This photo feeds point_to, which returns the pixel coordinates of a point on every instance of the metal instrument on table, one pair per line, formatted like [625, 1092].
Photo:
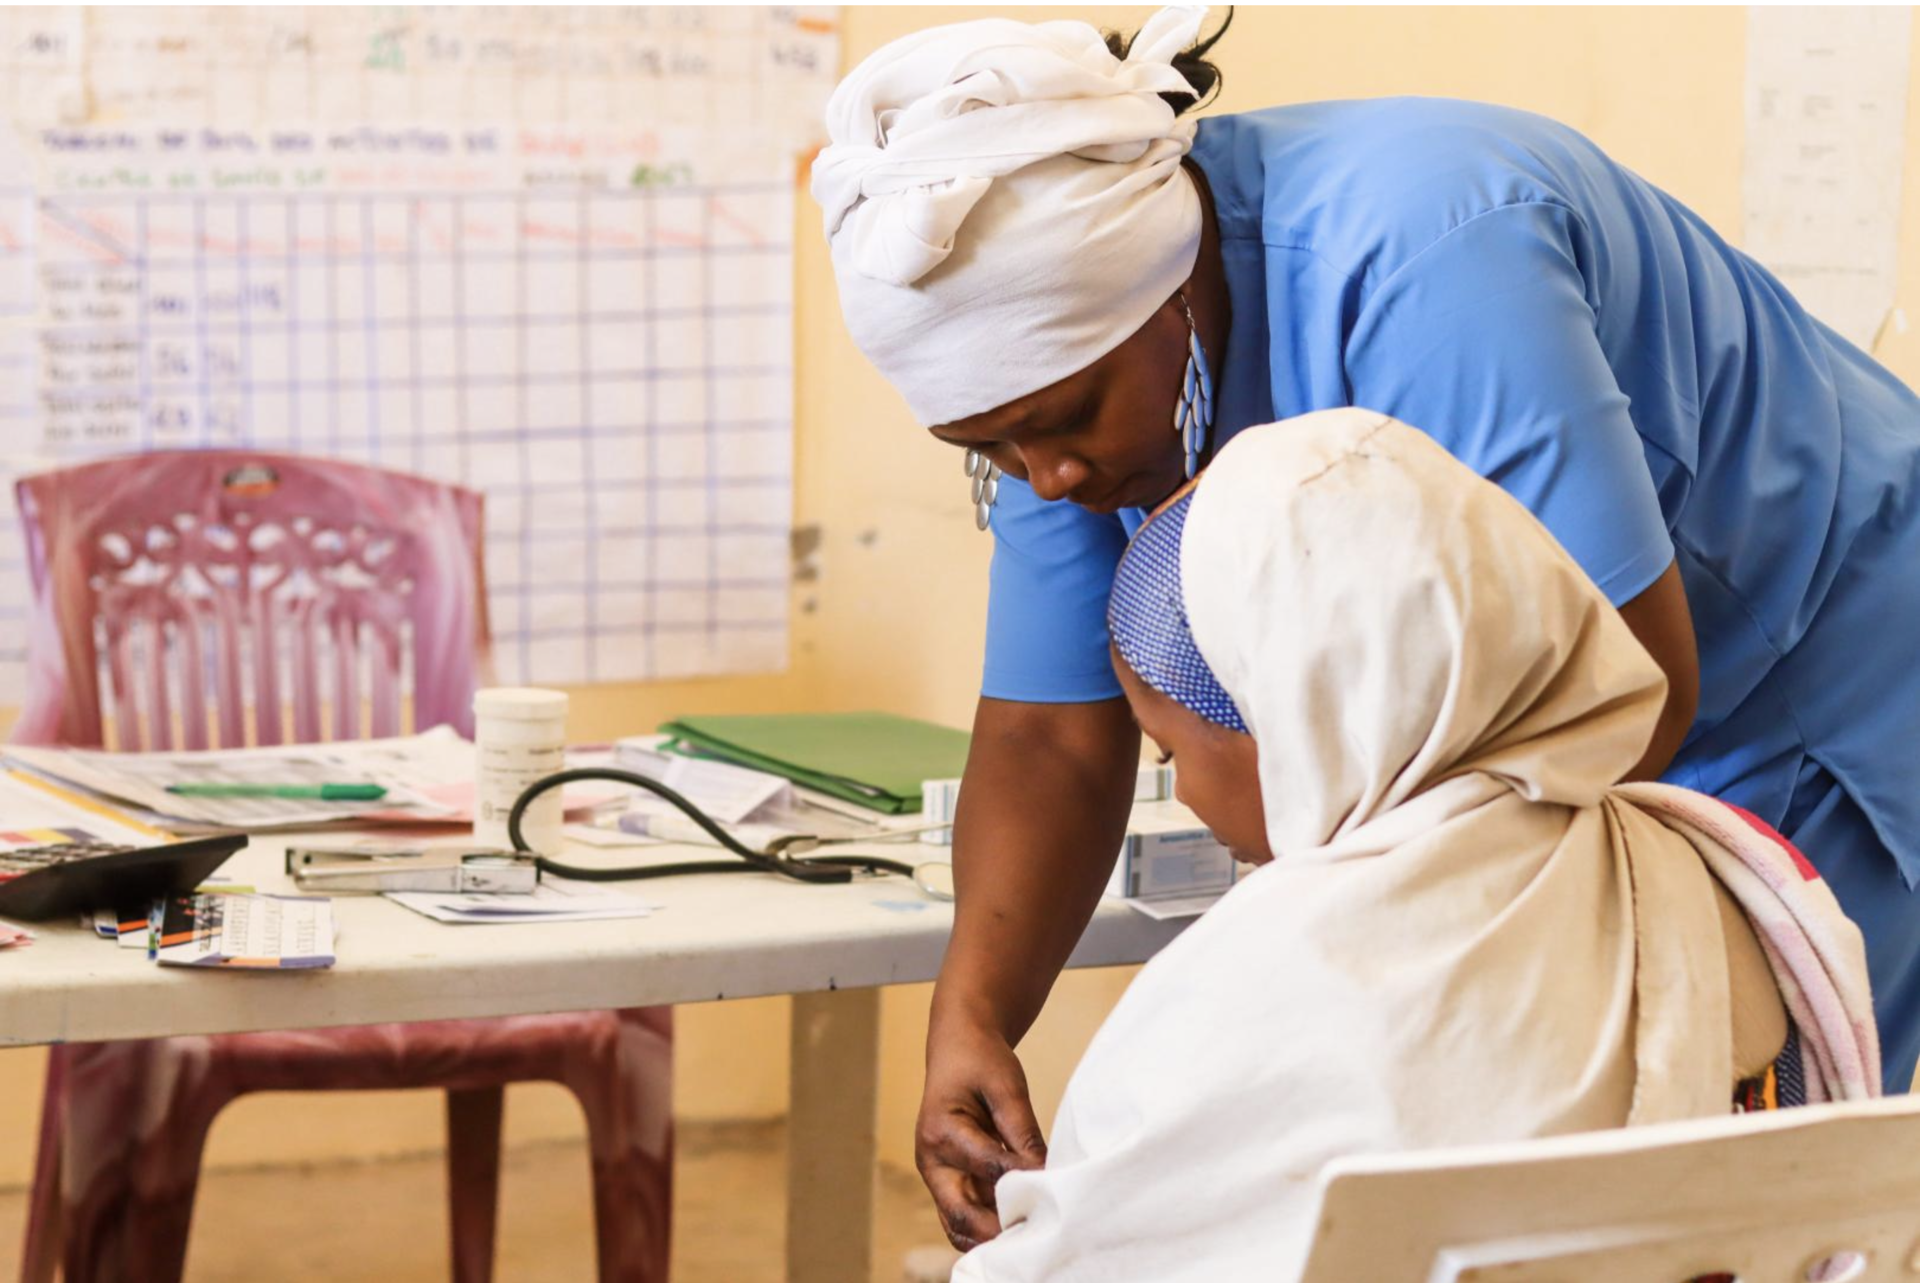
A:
[371, 871]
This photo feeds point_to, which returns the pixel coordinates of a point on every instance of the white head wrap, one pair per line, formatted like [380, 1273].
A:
[1469, 933]
[1004, 203]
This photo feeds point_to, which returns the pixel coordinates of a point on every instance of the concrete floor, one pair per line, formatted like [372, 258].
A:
[387, 1220]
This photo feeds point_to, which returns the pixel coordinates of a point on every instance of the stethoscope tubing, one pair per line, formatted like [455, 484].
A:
[814, 869]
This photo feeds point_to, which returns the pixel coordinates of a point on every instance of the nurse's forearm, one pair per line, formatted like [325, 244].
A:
[1675, 720]
[1042, 812]
[1663, 623]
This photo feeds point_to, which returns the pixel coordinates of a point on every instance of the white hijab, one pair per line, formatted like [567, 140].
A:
[1004, 203]
[1467, 934]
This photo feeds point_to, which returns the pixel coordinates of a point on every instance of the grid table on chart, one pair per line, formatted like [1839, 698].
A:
[611, 367]
[19, 383]
[581, 306]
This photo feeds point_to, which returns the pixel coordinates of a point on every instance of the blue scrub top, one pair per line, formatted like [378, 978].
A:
[1582, 339]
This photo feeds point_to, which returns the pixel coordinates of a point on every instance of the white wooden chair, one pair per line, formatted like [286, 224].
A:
[1819, 1194]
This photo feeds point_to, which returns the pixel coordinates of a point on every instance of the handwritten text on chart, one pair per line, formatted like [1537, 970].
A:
[767, 68]
[609, 360]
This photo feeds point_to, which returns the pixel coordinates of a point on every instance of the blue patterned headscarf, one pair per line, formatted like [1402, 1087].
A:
[1147, 617]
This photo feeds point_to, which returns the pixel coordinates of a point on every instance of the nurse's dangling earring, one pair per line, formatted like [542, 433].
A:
[986, 487]
[1193, 414]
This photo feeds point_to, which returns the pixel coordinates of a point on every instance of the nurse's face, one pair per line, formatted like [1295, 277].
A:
[1216, 771]
[1102, 438]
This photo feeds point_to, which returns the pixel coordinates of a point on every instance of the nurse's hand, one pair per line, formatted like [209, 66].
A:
[976, 1124]
[1042, 810]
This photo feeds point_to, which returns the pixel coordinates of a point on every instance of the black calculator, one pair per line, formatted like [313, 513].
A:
[42, 882]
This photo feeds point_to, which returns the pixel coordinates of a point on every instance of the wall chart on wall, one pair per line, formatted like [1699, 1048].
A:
[559, 270]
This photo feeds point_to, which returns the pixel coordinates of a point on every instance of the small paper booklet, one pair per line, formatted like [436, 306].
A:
[252, 932]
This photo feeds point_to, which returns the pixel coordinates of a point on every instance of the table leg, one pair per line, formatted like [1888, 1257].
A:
[831, 1124]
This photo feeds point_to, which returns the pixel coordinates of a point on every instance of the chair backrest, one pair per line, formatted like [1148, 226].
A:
[221, 590]
[1818, 1194]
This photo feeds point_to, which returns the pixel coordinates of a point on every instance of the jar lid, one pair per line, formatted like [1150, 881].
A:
[520, 703]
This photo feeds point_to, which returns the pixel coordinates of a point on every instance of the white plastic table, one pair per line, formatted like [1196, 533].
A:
[713, 937]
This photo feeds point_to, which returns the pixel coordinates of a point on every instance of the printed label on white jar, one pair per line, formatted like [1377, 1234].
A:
[505, 773]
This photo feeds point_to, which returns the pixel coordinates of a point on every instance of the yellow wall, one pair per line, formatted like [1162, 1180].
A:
[894, 617]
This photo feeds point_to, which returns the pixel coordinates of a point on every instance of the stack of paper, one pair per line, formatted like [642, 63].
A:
[417, 771]
[36, 813]
[755, 806]
[556, 900]
[730, 794]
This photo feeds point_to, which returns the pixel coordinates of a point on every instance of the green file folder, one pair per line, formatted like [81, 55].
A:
[874, 759]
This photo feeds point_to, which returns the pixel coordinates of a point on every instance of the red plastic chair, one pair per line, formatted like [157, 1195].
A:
[212, 593]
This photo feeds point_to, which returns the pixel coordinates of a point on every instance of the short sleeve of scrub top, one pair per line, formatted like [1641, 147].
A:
[1486, 341]
[1053, 566]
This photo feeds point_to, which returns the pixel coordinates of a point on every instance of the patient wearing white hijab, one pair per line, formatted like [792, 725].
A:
[1463, 929]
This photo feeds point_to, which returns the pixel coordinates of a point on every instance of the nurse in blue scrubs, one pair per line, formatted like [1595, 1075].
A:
[1741, 482]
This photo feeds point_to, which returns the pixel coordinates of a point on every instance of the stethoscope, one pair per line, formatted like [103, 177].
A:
[780, 856]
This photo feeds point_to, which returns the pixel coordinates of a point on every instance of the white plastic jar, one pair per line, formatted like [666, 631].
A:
[519, 737]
